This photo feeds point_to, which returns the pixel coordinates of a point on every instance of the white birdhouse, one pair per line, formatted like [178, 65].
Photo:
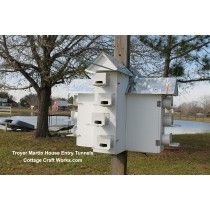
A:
[115, 115]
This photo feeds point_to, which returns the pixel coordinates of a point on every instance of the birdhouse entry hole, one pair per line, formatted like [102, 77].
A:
[104, 102]
[99, 82]
[103, 145]
[98, 122]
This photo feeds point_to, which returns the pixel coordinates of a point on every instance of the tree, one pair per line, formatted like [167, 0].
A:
[46, 61]
[29, 100]
[6, 95]
[194, 108]
[59, 99]
[1, 83]
[70, 100]
[191, 108]
[205, 103]
[176, 54]
[144, 61]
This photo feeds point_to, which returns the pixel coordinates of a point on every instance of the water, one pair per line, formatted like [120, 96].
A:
[54, 120]
[188, 127]
[180, 126]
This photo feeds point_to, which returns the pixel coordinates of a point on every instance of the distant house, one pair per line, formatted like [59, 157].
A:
[4, 102]
[8, 102]
[60, 105]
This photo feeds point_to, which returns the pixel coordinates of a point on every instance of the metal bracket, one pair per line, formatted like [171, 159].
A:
[174, 144]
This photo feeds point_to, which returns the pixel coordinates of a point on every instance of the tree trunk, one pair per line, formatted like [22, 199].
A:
[166, 65]
[167, 56]
[43, 111]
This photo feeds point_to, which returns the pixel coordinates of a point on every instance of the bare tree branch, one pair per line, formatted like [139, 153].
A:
[15, 87]
[193, 80]
[190, 50]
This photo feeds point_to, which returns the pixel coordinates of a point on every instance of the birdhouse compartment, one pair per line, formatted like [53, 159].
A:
[100, 79]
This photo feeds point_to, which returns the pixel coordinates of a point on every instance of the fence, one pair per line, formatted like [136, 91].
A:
[6, 110]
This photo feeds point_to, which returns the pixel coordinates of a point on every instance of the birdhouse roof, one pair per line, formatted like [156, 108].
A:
[162, 86]
[151, 86]
[105, 62]
[62, 103]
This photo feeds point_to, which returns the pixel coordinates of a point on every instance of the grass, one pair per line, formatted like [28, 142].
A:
[21, 112]
[193, 157]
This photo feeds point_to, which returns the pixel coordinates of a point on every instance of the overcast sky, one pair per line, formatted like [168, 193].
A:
[192, 93]
[186, 93]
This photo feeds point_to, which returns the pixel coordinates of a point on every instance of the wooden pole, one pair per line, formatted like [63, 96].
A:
[122, 54]
[122, 49]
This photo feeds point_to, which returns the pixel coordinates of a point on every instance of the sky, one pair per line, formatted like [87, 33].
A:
[61, 91]
[186, 93]
[191, 93]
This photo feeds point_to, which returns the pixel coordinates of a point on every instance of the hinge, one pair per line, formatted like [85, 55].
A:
[158, 103]
[157, 142]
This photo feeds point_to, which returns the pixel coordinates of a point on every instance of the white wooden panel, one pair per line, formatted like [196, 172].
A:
[84, 127]
[110, 129]
[117, 114]
[143, 123]
[100, 79]
[121, 113]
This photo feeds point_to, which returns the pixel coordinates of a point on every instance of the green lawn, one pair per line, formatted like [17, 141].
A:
[193, 157]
